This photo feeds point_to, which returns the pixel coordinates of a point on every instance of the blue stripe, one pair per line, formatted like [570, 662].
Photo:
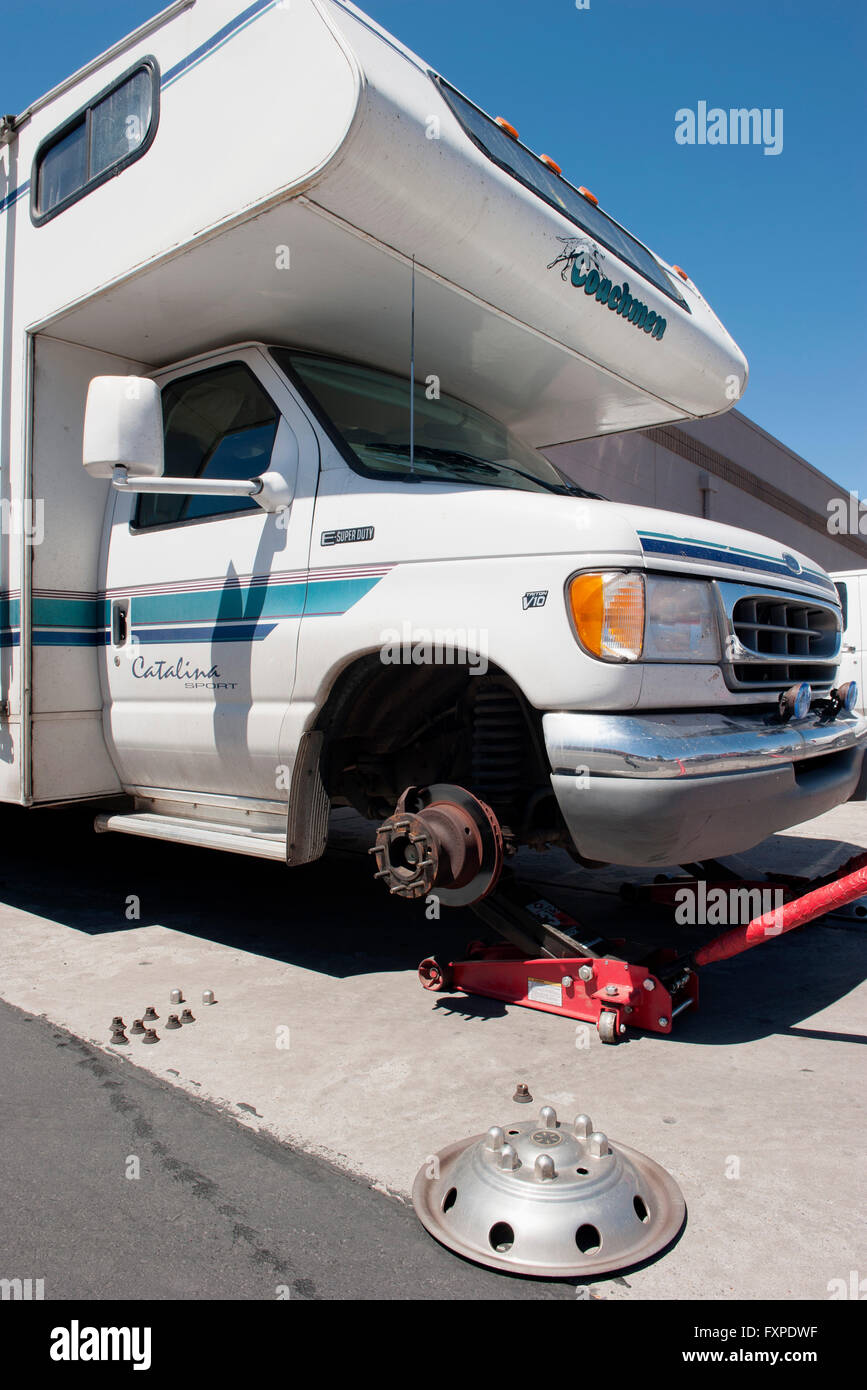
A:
[69, 637]
[220, 37]
[696, 550]
[236, 632]
[86, 637]
[14, 196]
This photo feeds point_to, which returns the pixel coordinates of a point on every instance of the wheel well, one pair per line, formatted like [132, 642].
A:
[388, 727]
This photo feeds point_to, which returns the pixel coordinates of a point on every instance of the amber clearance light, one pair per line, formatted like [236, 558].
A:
[505, 126]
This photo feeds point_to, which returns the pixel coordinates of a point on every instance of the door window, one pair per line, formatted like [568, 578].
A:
[217, 424]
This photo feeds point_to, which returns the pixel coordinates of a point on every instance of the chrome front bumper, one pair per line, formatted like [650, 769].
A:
[650, 789]
[692, 744]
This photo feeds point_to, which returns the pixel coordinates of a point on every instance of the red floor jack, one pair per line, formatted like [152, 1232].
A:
[442, 840]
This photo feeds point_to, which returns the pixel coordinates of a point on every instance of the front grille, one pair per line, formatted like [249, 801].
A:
[778, 639]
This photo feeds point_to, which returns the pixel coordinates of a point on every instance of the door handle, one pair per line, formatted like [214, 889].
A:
[119, 622]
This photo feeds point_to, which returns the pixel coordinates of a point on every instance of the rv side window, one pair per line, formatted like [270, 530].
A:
[843, 595]
[100, 140]
[218, 424]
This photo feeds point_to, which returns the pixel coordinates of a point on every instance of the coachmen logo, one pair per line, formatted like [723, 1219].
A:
[586, 275]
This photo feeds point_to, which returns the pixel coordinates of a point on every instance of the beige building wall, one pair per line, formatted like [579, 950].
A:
[727, 469]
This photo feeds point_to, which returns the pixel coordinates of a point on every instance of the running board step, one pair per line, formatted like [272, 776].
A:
[207, 834]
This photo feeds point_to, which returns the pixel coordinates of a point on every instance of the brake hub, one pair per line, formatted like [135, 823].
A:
[550, 1199]
[441, 839]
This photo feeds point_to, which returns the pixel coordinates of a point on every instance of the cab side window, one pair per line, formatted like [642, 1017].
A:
[217, 424]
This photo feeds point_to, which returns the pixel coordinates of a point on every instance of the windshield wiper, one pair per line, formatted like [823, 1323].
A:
[455, 458]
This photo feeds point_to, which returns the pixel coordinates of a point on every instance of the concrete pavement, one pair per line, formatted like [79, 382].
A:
[322, 1037]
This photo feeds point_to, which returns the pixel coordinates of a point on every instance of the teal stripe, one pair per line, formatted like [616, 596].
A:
[221, 605]
[10, 612]
[337, 595]
[248, 603]
[67, 612]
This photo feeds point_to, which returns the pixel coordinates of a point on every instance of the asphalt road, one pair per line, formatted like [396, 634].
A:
[218, 1211]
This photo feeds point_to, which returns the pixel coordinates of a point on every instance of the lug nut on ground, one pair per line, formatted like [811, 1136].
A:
[150, 1014]
[208, 996]
[137, 1026]
[150, 1036]
[187, 1017]
[522, 1093]
[173, 1021]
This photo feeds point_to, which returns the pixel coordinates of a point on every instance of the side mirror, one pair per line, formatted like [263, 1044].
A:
[278, 483]
[123, 427]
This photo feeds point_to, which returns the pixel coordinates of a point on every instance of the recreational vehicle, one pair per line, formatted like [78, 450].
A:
[288, 325]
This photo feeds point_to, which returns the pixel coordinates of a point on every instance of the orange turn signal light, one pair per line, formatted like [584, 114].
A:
[608, 613]
[509, 129]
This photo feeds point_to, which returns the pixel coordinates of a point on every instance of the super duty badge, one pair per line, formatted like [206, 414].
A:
[352, 533]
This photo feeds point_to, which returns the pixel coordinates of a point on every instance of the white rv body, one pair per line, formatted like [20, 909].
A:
[300, 170]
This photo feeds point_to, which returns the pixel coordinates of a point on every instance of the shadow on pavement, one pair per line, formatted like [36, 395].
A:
[333, 918]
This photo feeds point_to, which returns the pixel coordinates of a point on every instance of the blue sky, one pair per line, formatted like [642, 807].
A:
[775, 242]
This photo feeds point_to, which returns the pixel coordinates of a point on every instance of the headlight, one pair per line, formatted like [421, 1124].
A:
[635, 617]
[681, 623]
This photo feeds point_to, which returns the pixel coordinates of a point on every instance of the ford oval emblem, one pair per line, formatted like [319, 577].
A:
[792, 563]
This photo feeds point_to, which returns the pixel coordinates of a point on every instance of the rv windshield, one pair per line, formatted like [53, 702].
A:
[368, 411]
